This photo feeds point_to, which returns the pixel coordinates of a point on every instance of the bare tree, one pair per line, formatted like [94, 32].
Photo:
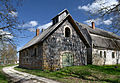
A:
[111, 11]
[9, 20]
[8, 54]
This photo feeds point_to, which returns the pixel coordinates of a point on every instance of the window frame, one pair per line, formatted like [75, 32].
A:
[101, 54]
[105, 54]
[113, 54]
[35, 51]
[67, 26]
[27, 52]
[69, 56]
[67, 32]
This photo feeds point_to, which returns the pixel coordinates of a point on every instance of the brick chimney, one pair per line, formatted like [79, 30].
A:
[93, 25]
[37, 32]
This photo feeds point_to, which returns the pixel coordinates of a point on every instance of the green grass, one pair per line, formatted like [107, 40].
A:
[81, 74]
[3, 77]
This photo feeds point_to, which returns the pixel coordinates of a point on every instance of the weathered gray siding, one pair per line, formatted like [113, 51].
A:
[56, 44]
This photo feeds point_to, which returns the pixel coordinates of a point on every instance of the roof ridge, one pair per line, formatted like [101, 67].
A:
[98, 30]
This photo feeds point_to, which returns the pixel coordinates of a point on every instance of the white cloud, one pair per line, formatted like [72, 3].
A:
[6, 34]
[95, 7]
[33, 23]
[14, 14]
[30, 24]
[99, 21]
[107, 22]
[84, 7]
[45, 26]
[99, 4]
[32, 29]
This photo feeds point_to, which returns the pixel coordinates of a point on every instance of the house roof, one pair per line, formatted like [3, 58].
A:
[49, 30]
[39, 38]
[65, 10]
[99, 42]
[110, 41]
[102, 38]
[99, 31]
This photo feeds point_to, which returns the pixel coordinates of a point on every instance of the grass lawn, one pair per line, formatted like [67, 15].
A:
[3, 78]
[81, 74]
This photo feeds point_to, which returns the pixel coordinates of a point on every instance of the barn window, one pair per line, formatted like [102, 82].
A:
[101, 54]
[24, 54]
[113, 54]
[27, 52]
[35, 52]
[67, 32]
[104, 54]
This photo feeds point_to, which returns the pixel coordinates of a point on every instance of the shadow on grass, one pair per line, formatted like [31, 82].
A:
[86, 73]
[101, 80]
[2, 76]
[82, 72]
[112, 70]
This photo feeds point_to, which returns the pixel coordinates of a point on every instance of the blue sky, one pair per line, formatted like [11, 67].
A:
[43, 11]
[37, 13]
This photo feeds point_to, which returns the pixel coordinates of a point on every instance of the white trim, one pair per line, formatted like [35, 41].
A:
[61, 54]
[67, 26]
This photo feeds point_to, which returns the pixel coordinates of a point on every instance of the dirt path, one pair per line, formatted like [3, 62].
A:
[21, 77]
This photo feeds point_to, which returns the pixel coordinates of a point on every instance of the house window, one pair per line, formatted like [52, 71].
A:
[35, 52]
[23, 54]
[27, 60]
[113, 54]
[67, 32]
[55, 20]
[104, 54]
[62, 16]
[101, 54]
[27, 52]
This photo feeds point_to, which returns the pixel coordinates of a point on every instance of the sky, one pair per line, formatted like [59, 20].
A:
[38, 13]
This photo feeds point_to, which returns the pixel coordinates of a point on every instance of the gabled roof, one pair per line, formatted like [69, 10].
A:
[99, 42]
[102, 38]
[65, 10]
[99, 31]
[51, 29]
[84, 31]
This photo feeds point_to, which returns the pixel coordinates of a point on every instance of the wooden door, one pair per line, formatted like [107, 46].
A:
[67, 59]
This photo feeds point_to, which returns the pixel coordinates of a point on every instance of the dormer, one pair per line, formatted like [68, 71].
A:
[60, 16]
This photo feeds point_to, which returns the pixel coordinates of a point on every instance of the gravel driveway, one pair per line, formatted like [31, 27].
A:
[21, 77]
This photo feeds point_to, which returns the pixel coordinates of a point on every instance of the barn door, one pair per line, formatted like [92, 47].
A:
[67, 59]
